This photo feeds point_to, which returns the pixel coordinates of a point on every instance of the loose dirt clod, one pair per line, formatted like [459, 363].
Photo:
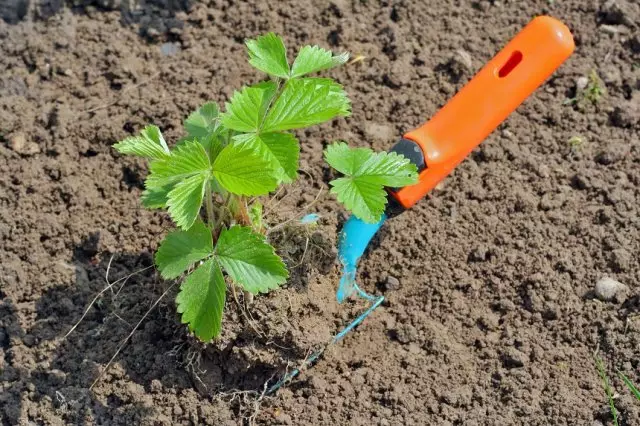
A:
[607, 289]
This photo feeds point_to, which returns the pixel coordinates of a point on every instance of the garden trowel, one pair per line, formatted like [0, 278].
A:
[439, 145]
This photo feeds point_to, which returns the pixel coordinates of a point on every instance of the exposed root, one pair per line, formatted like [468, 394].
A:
[243, 311]
[109, 286]
[194, 359]
[124, 342]
[250, 401]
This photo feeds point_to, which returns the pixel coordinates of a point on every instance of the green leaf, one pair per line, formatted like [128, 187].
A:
[366, 174]
[384, 168]
[153, 133]
[305, 102]
[181, 249]
[201, 300]
[186, 160]
[203, 122]
[313, 59]
[247, 107]
[240, 169]
[213, 144]
[185, 200]
[364, 199]
[282, 150]
[150, 144]
[156, 198]
[249, 260]
[268, 54]
[182, 177]
[634, 390]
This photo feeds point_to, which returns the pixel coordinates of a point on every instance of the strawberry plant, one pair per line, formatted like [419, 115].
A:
[227, 157]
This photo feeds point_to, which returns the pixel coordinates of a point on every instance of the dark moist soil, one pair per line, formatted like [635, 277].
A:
[490, 316]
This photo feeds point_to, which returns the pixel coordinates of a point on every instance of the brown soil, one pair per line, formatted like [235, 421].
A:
[492, 320]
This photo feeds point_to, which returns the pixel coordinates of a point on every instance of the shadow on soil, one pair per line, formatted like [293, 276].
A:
[159, 351]
[155, 18]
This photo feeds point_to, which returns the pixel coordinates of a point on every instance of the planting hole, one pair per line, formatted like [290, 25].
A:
[514, 60]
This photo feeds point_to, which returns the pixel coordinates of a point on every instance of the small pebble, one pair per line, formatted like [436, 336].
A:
[508, 134]
[392, 283]
[607, 288]
[612, 29]
[20, 145]
[581, 83]
[169, 49]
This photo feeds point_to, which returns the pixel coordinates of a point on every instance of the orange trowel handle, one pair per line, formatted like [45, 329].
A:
[480, 106]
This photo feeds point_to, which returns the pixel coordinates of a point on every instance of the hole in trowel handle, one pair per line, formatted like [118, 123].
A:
[511, 64]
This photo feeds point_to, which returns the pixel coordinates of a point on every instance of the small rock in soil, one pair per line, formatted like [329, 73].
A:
[20, 145]
[581, 83]
[608, 289]
[170, 49]
[612, 29]
[392, 283]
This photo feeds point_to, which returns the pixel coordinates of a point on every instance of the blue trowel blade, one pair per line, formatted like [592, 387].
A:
[353, 241]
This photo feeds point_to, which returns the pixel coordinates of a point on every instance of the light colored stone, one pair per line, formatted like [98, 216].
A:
[20, 145]
[607, 288]
[392, 283]
[581, 83]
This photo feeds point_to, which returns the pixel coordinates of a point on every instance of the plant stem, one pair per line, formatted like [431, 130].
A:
[209, 205]
[607, 389]
[244, 211]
